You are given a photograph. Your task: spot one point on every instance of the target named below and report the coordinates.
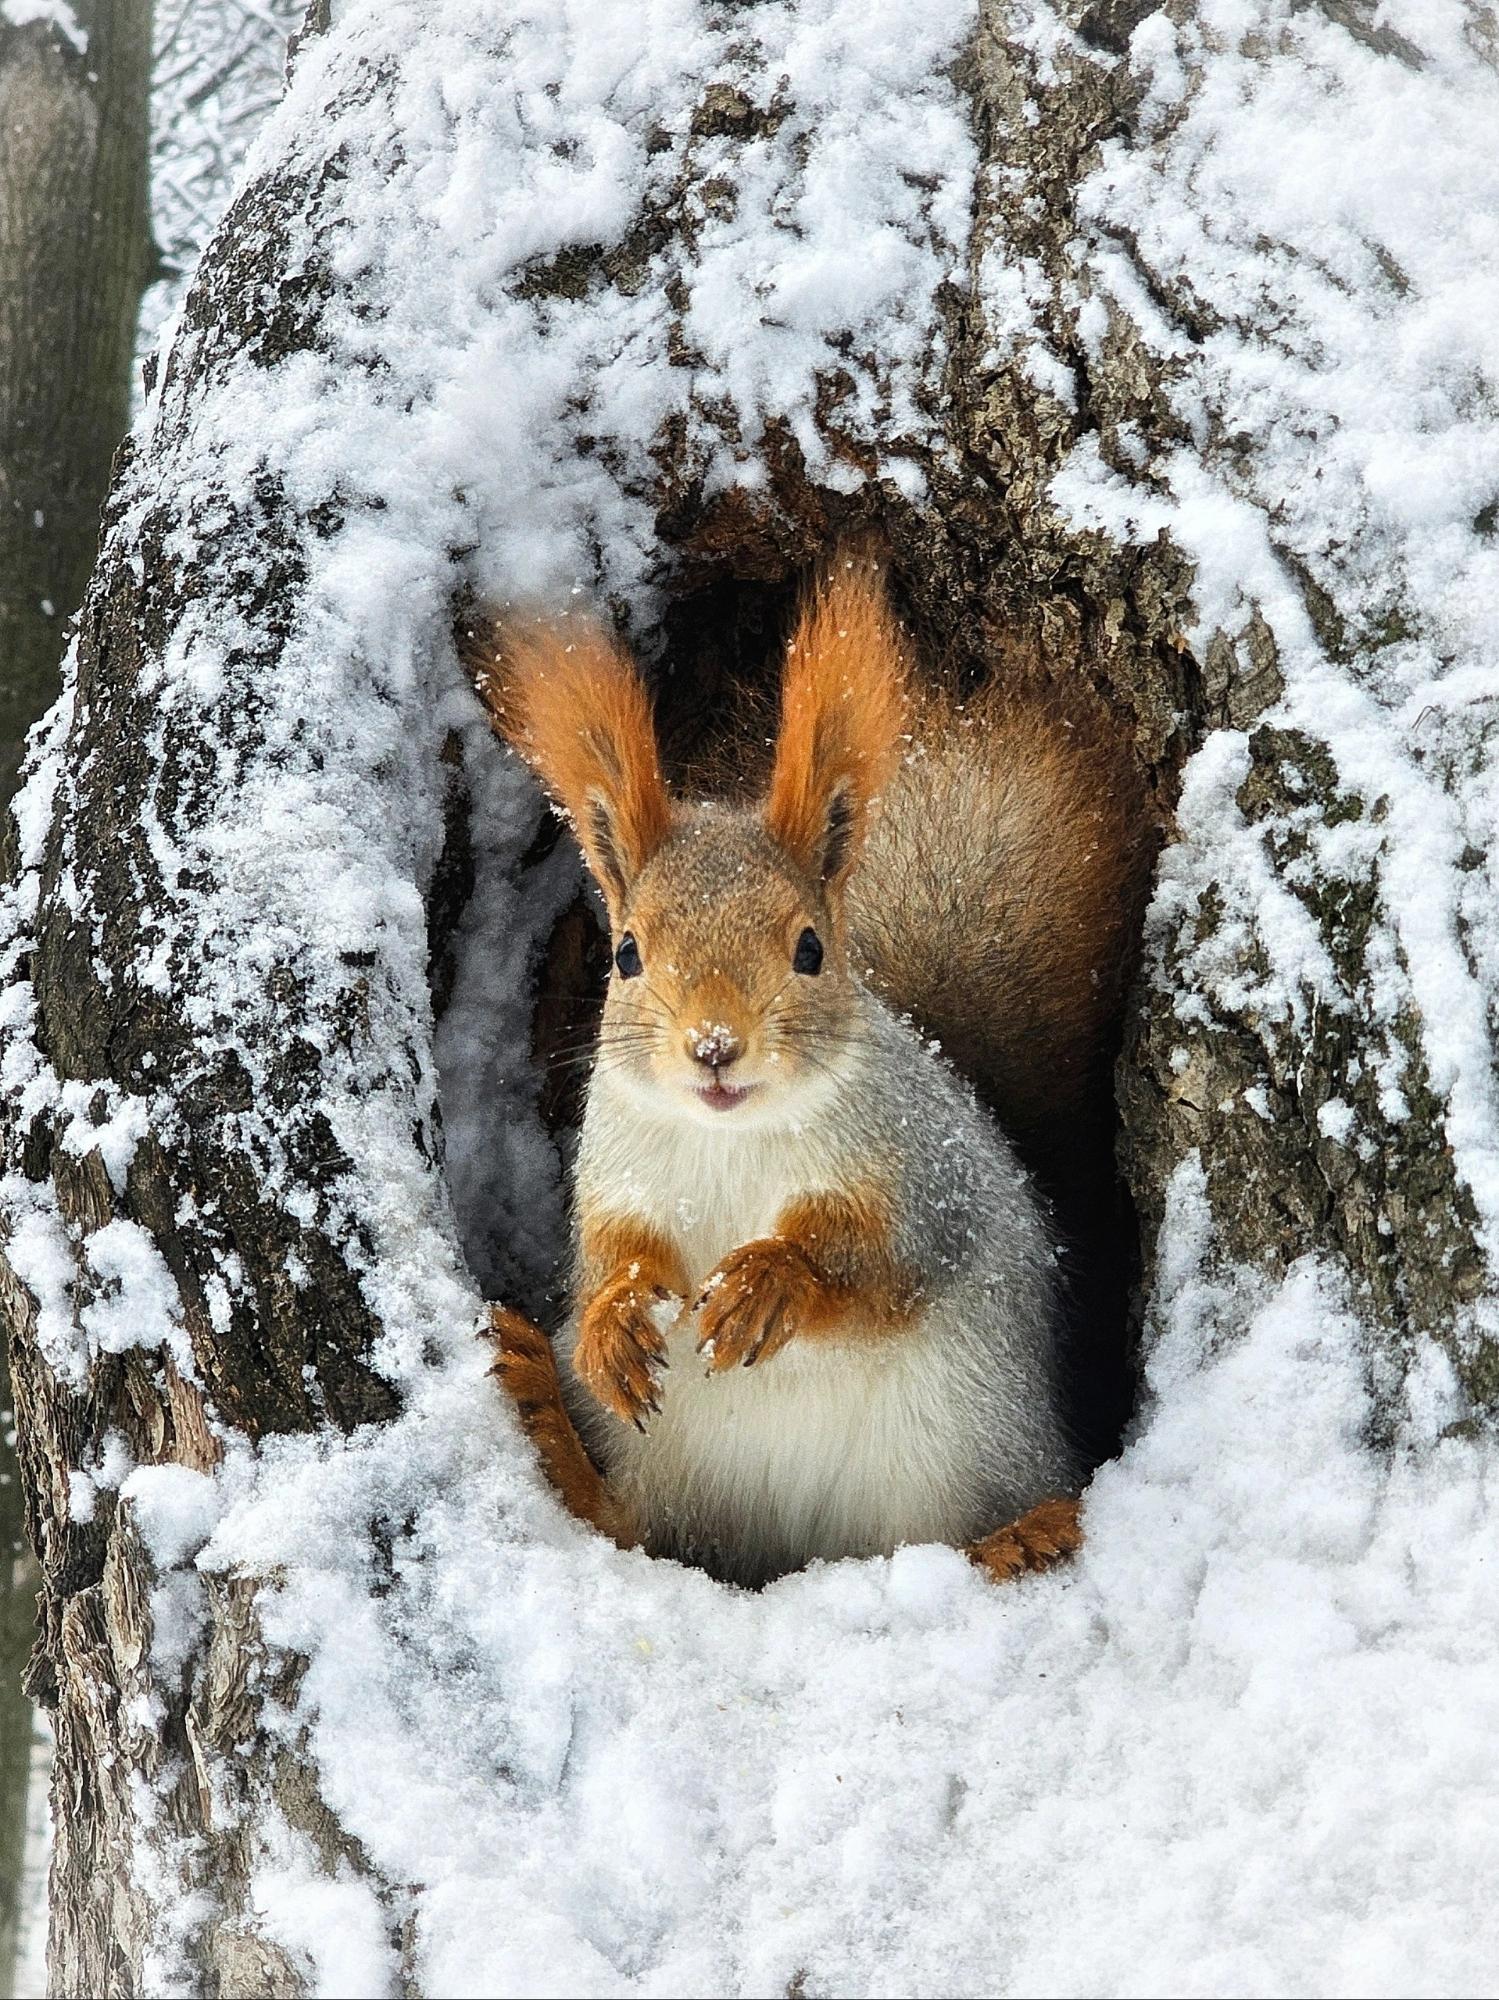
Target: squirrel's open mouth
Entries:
(724, 1096)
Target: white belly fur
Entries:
(824, 1449)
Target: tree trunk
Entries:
(17, 1616)
(75, 254)
(268, 838)
(75, 251)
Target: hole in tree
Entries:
(715, 668)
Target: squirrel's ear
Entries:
(571, 702)
(842, 710)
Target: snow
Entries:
(1333, 213)
(1335, 1120)
(337, 1929)
(1248, 1742)
(114, 1135)
(1156, 1773)
(38, 1250)
(1214, 838)
(176, 1508)
(129, 1299)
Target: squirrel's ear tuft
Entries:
(843, 706)
(571, 702)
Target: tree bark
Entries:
(75, 257)
(241, 1183)
(75, 254)
(18, 1582)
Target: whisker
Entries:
(608, 1035)
(669, 1013)
(779, 991)
(649, 1013)
(801, 1031)
(817, 1062)
(620, 1045)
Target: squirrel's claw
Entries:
(620, 1353)
(768, 1332)
(752, 1304)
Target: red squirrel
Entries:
(815, 1304)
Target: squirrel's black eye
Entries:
(627, 957)
(808, 954)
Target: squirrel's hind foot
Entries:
(527, 1367)
(1042, 1537)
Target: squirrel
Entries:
(816, 1305)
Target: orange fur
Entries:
(842, 709)
(1043, 1536)
(525, 1364)
(571, 702)
(629, 1269)
(999, 900)
(828, 1269)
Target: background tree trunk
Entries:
(246, 1195)
(75, 257)
(18, 1584)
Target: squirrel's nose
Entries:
(714, 1047)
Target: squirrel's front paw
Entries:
(757, 1299)
(620, 1349)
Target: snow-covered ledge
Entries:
(1172, 342)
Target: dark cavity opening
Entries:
(714, 667)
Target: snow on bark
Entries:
(1318, 293)
(647, 305)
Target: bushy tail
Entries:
(998, 902)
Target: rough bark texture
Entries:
(985, 566)
(17, 1598)
(289, 1359)
(75, 256)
